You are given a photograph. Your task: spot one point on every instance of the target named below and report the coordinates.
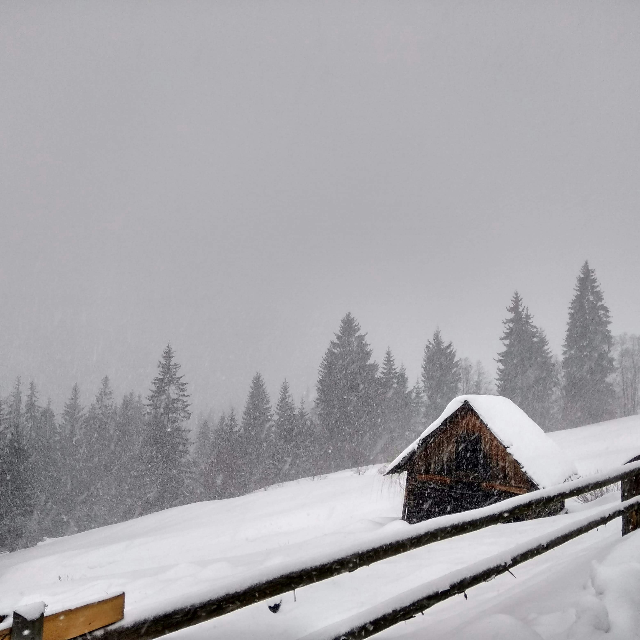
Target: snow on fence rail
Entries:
(408, 604)
(388, 544)
(321, 566)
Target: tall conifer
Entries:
(256, 425)
(347, 392)
(526, 372)
(440, 376)
(165, 447)
(587, 363)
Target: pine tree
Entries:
(165, 447)
(281, 445)
(32, 416)
(71, 460)
(587, 363)
(307, 447)
(18, 491)
(221, 475)
(526, 373)
(256, 427)
(96, 473)
(201, 459)
(627, 382)
(396, 408)
(128, 464)
(440, 376)
(347, 390)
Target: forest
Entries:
(118, 459)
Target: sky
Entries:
(233, 177)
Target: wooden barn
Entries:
(481, 450)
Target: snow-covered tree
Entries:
(255, 429)
(201, 457)
(627, 378)
(474, 378)
(281, 444)
(346, 397)
(17, 489)
(165, 446)
(526, 372)
(587, 363)
(440, 376)
(396, 409)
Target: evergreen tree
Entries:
(587, 363)
(221, 475)
(347, 391)
(130, 427)
(165, 447)
(256, 432)
(201, 458)
(396, 408)
(17, 489)
(627, 380)
(307, 452)
(440, 376)
(281, 445)
(526, 373)
(32, 416)
(71, 460)
(98, 483)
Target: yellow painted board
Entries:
(71, 623)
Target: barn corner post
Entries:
(28, 622)
(630, 488)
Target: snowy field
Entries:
(587, 589)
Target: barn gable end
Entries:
(464, 461)
(463, 449)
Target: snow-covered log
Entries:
(410, 603)
(321, 565)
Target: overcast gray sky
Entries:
(235, 176)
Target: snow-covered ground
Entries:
(587, 589)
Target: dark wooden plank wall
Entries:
(463, 466)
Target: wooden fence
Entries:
(207, 608)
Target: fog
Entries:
(233, 177)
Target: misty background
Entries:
(233, 177)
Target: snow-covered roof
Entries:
(540, 458)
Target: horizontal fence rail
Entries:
(389, 544)
(410, 603)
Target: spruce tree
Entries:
(440, 376)
(347, 391)
(307, 451)
(587, 363)
(526, 373)
(201, 459)
(71, 456)
(396, 408)
(98, 482)
(18, 489)
(256, 433)
(165, 447)
(281, 443)
(128, 463)
(221, 475)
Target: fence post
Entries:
(628, 489)
(28, 622)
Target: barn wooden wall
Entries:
(436, 460)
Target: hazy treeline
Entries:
(117, 459)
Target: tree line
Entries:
(116, 460)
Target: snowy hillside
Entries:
(164, 559)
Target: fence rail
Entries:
(421, 534)
(388, 544)
(407, 605)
